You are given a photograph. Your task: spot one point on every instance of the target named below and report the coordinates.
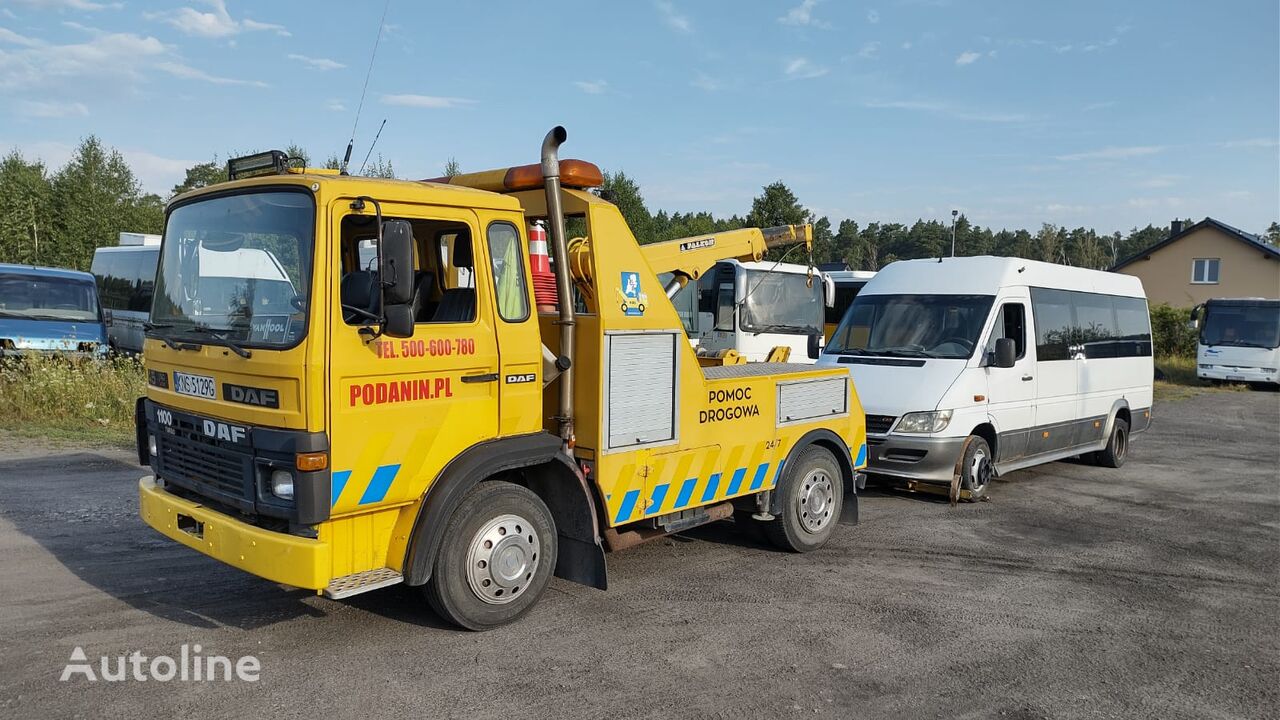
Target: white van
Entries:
(972, 367)
(1239, 340)
(753, 307)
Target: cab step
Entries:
(362, 582)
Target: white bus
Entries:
(753, 307)
(1239, 340)
(848, 283)
(968, 368)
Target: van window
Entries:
(44, 297)
(1055, 325)
(725, 307)
(925, 326)
(781, 302)
(1090, 325)
(1010, 323)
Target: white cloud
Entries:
(51, 109)
(217, 23)
(315, 63)
(335, 105)
(1099, 105)
(703, 81)
(941, 108)
(802, 16)
(803, 69)
(109, 56)
(873, 16)
(186, 72)
(869, 51)
(674, 20)
(967, 58)
(1114, 153)
(12, 38)
(84, 5)
(155, 173)
(1250, 143)
(1161, 181)
(597, 87)
(906, 45)
(434, 102)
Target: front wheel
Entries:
(976, 469)
(1117, 449)
(812, 493)
(497, 557)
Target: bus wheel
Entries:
(812, 491)
(975, 467)
(497, 557)
(1117, 449)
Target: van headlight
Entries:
(282, 484)
(924, 422)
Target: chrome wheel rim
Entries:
(816, 500)
(502, 559)
(979, 471)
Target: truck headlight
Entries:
(151, 445)
(924, 422)
(282, 484)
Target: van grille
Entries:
(198, 465)
(880, 424)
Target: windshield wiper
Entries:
(149, 326)
(222, 337)
(847, 351)
(906, 352)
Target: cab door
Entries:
(401, 408)
(1011, 392)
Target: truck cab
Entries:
(374, 398)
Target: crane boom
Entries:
(688, 258)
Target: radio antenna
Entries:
(346, 159)
(372, 145)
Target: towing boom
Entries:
(688, 258)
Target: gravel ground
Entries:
(1149, 591)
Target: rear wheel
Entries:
(1117, 449)
(497, 557)
(812, 492)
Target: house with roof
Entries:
(1208, 259)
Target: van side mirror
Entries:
(1006, 353)
(397, 264)
(815, 346)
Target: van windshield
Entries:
(781, 302)
(1242, 325)
(236, 269)
(33, 297)
(927, 326)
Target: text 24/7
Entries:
(443, 347)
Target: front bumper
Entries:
(289, 559)
(1233, 373)
(928, 459)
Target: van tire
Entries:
(812, 494)
(976, 467)
(497, 526)
(1117, 449)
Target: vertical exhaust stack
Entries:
(564, 286)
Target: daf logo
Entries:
(223, 431)
(521, 378)
(262, 397)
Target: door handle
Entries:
(487, 377)
(1025, 378)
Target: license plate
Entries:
(200, 386)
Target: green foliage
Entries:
(379, 168)
(88, 398)
(201, 175)
(1272, 235)
(1171, 332)
(623, 192)
(24, 217)
(451, 168)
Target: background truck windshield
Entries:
(32, 297)
(237, 268)
(941, 326)
(778, 302)
(1243, 325)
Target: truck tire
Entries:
(1117, 449)
(498, 554)
(976, 469)
(811, 491)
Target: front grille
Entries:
(199, 465)
(880, 424)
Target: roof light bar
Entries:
(271, 162)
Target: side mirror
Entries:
(397, 264)
(1006, 353)
(398, 322)
(1194, 323)
(815, 347)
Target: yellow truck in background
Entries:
(387, 405)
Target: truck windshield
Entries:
(32, 297)
(237, 269)
(927, 326)
(781, 302)
(1243, 325)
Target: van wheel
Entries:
(812, 492)
(1117, 449)
(497, 557)
(976, 469)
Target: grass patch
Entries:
(75, 400)
(1180, 380)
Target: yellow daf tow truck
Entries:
(350, 386)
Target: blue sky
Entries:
(1101, 114)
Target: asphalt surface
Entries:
(1149, 591)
